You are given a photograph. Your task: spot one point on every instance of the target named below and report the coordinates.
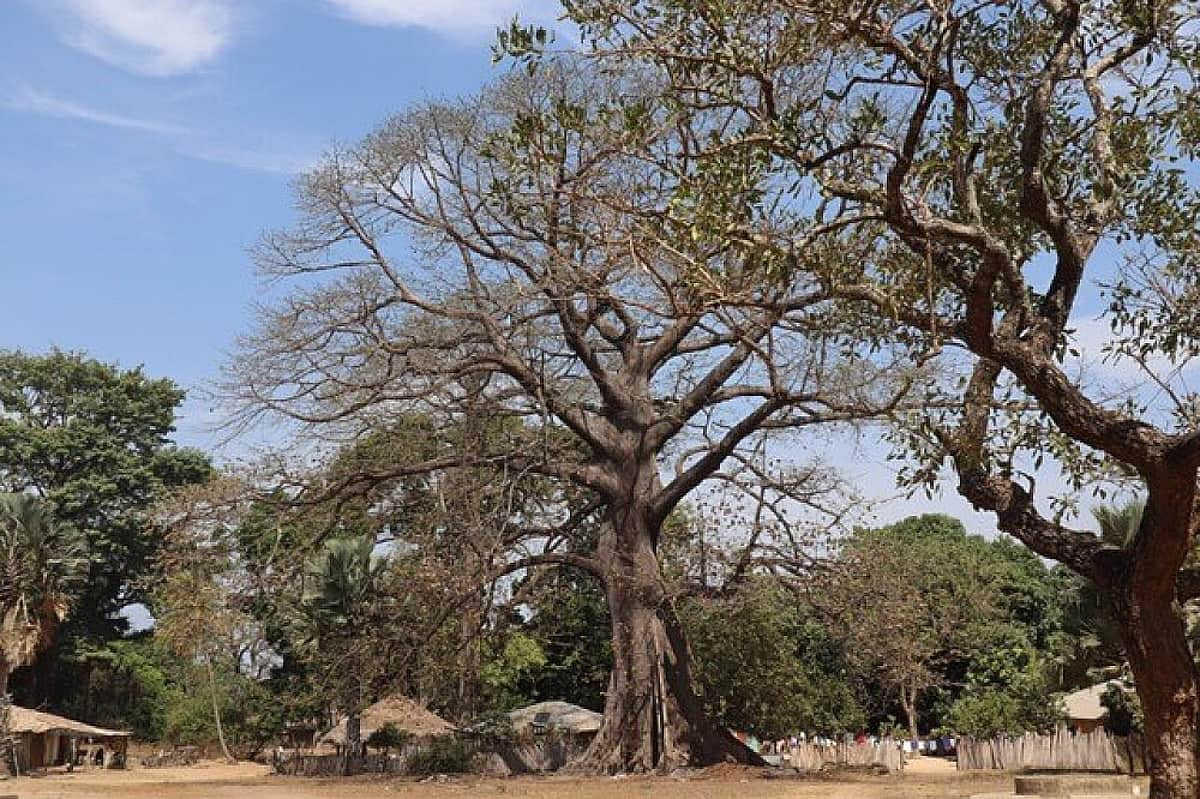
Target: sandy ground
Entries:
(925, 779)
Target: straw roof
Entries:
(1084, 704)
(562, 716)
(399, 710)
(24, 720)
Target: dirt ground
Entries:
(924, 780)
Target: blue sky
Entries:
(145, 144)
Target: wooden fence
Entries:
(1059, 751)
(883, 754)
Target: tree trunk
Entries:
(469, 658)
(908, 702)
(1166, 680)
(1152, 626)
(353, 730)
(216, 708)
(8, 763)
(653, 719)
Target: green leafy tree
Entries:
(569, 621)
(1008, 690)
(1124, 711)
(95, 440)
(1093, 643)
(927, 612)
(901, 599)
(504, 671)
(389, 737)
(765, 667)
(127, 685)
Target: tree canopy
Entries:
(1002, 172)
(94, 440)
(516, 260)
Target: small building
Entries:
(300, 734)
(561, 717)
(44, 740)
(404, 713)
(1083, 709)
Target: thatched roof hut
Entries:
(399, 710)
(44, 739)
(560, 716)
(24, 720)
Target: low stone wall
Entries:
(534, 757)
(1048, 785)
(179, 756)
(501, 760)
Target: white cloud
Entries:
(277, 159)
(454, 16)
(34, 101)
(275, 154)
(152, 37)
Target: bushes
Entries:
(444, 755)
(389, 737)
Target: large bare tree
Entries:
(1011, 168)
(513, 257)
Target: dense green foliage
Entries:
(388, 737)
(569, 621)
(955, 630)
(138, 684)
(766, 667)
(94, 440)
(127, 685)
(1124, 710)
(446, 754)
(981, 624)
(344, 603)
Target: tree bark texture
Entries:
(908, 701)
(8, 764)
(1163, 665)
(353, 743)
(653, 720)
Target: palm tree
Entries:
(340, 599)
(1096, 649)
(43, 565)
(1119, 523)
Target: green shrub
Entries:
(389, 737)
(495, 727)
(1125, 716)
(444, 755)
